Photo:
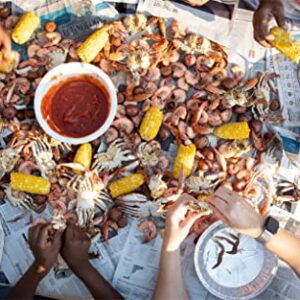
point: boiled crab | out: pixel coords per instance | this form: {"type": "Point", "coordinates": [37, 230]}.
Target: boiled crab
{"type": "Point", "coordinates": [116, 154]}
{"type": "Point", "coordinates": [58, 219]}
{"type": "Point", "coordinates": [90, 193]}
{"type": "Point", "coordinates": [204, 184]}
{"type": "Point", "coordinates": [8, 160]}
{"type": "Point", "coordinates": [149, 153]}
{"type": "Point", "coordinates": [157, 186]}
{"type": "Point", "coordinates": [43, 156]}
{"type": "Point", "coordinates": [288, 191]}
{"type": "Point", "coordinates": [20, 199]}
{"type": "Point", "coordinates": [235, 148]}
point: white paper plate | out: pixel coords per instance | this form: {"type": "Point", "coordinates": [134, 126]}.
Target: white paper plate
{"type": "Point", "coordinates": [241, 276]}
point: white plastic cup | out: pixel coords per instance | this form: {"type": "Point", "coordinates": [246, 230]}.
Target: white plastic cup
{"type": "Point", "coordinates": [61, 72]}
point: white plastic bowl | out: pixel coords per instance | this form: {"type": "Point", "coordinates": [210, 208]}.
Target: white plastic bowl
{"type": "Point", "coordinates": [64, 71]}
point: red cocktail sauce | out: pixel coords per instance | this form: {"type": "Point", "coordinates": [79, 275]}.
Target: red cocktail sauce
{"type": "Point", "coordinates": [77, 106]}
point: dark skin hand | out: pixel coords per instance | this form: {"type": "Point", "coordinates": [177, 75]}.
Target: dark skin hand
{"type": "Point", "coordinates": [267, 10]}
{"type": "Point", "coordinates": [45, 244]}
{"type": "Point", "coordinates": [75, 253]}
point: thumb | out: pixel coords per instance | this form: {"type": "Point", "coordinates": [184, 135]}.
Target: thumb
{"type": "Point", "coordinates": [190, 219]}
{"type": "Point", "coordinates": [58, 236]}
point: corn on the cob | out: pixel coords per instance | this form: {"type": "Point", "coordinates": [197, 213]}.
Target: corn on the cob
{"type": "Point", "coordinates": [29, 183]}
{"type": "Point", "coordinates": [83, 156]}
{"type": "Point", "coordinates": [93, 45]}
{"type": "Point", "coordinates": [233, 131]}
{"type": "Point", "coordinates": [6, 66]}
{"type": "Point", "coordinates": [151, 123]}
{"type": "Point", "coordinates": [24, 29]}
{"type": "Point", "coordinates": [285, 44]}
{"type": "Point", "coordinates": [184, 160]}
{"type": "Point", "coordinates": [126, 185]}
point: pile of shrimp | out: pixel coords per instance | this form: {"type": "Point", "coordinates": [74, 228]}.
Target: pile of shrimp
{"type": "Point", "coordinates": [186, 75]}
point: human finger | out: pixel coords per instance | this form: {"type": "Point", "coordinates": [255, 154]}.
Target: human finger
{"type": "Point", "coordinates": [43, 237]}
{"type": "Point", "coordinates": [261, 27]}
{"type": "Point", "coordinates": [33, 233]}
{"type": "Point", "coordinates": [58, 237]}
{"type": "Point", "coordinates": [180, 208]}
{"type": "Point", "coordinates": [279, 16]}
{"type": "Point", "coordinates": [218, 214]}
{"type": "Point", "coordinates": [69, 232]}
{"type": "Point", "coordinates": [190, 219]}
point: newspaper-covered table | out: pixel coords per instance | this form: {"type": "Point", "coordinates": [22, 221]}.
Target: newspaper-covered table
{"type": "Point", "coordinates": [125, 262]}
{"type": "Point", "coordinates": [60, 282]}
{"type": "Point", "coordinates": [136, 274]}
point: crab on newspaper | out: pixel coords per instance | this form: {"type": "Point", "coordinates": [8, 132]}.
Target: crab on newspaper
{"type": "Point", "coordinates": [173, 85]}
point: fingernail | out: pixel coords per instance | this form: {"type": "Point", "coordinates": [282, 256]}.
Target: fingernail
{"type": "Point", "coordinates": [270, 38]}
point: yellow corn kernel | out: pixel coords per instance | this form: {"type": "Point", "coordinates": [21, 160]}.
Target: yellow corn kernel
{"type": "Point", "coordinates": [126, 185]}
{"type": "Point", "coordinates": [285, 44]}
{"type": "Point", "coordinates": [203, 197]}
{"type": "Point", "coordinates": [233, 131]}
{"type": "Point", "coordinates": [29, 183]}
{"type": "Point", "coordinates": [151, 123]}
{"type": "Point", "coordinates": [6, 66]}
{"type": "Point", "coordinates": [184, 160]}
{"type": "Point", "coordinates": [83, 156]}
{"type": "Point", "coordinates": [24, 29]}
{"type": "Point", "coordinates": [93, 45]}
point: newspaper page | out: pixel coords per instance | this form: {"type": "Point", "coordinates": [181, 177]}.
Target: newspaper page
{"type": "Point", "coordinates": [136, 275]}
{"type": "Point", "coordinates": [77, 18]}
{"type": "Point", "coordinates": [124, 6]}
{"type": "Point", "coordinates": [288, 87]}
{"type": "Point", "coordinates": [201, 19]}
{"type": "Point", "coordinates": [240, 38]}
{"type": "Point", "coordinates": [60, 282]}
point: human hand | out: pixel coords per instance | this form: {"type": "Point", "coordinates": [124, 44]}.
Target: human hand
{"type": "Point", "coordinates": [75, 247]}
{"type": "Point", "coordinates": [45, 244]}
{"type": "Point", "coordinates": [196, 2]}
{"type": "Point", "coordinates": [178, 223]}
{"type": "Point", "coordinates": [237, 213]}
{"type": "Point", "coordinates": [267, 10]}
{"type": "Point", "coordinates": [5, 42]}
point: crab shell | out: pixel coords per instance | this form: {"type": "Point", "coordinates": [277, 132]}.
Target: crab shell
{"type": "Point", "coordinates": [43, 155]}
{"type": "Point", "coordinates": [86, 203]}
{"type": "Point", "coordinates": [113, 158]}
{"type": "Point", "coordinates": [157, 186]}
{"type": "Point", "coordinates": [19, 199]}
{"type": "Point", "coordinates": [149, 153]}
{"type": "Point", "coordinates": [8, 159]}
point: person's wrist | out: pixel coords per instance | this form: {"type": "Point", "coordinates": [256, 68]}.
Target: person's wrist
{"type": "Point", "coordinates": [77, 264]}
{"type": "Point", "coordinates": [259, 228]}
{"type": "Point", "coordinates": [39, 270]}
{"type": "Point", "coordinates": [169, 245]}
{"type": "Point", "coordinates": [81, 270]}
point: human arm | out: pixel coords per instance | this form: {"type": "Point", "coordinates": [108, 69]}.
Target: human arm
{"type": "Point", "coordinates": [238, 214]}
{"type": "Point", "coordinates": [267, 10]}
{"type": "Point", "coordinates": [75, 253]}
{"type": "Point", "coordinates": [45, 244]}
{"type": "Point", "coordinates": [170, 283]}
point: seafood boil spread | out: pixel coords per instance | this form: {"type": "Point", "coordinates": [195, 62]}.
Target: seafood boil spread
{"type": "Point", "coordinates": [174, 89]}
